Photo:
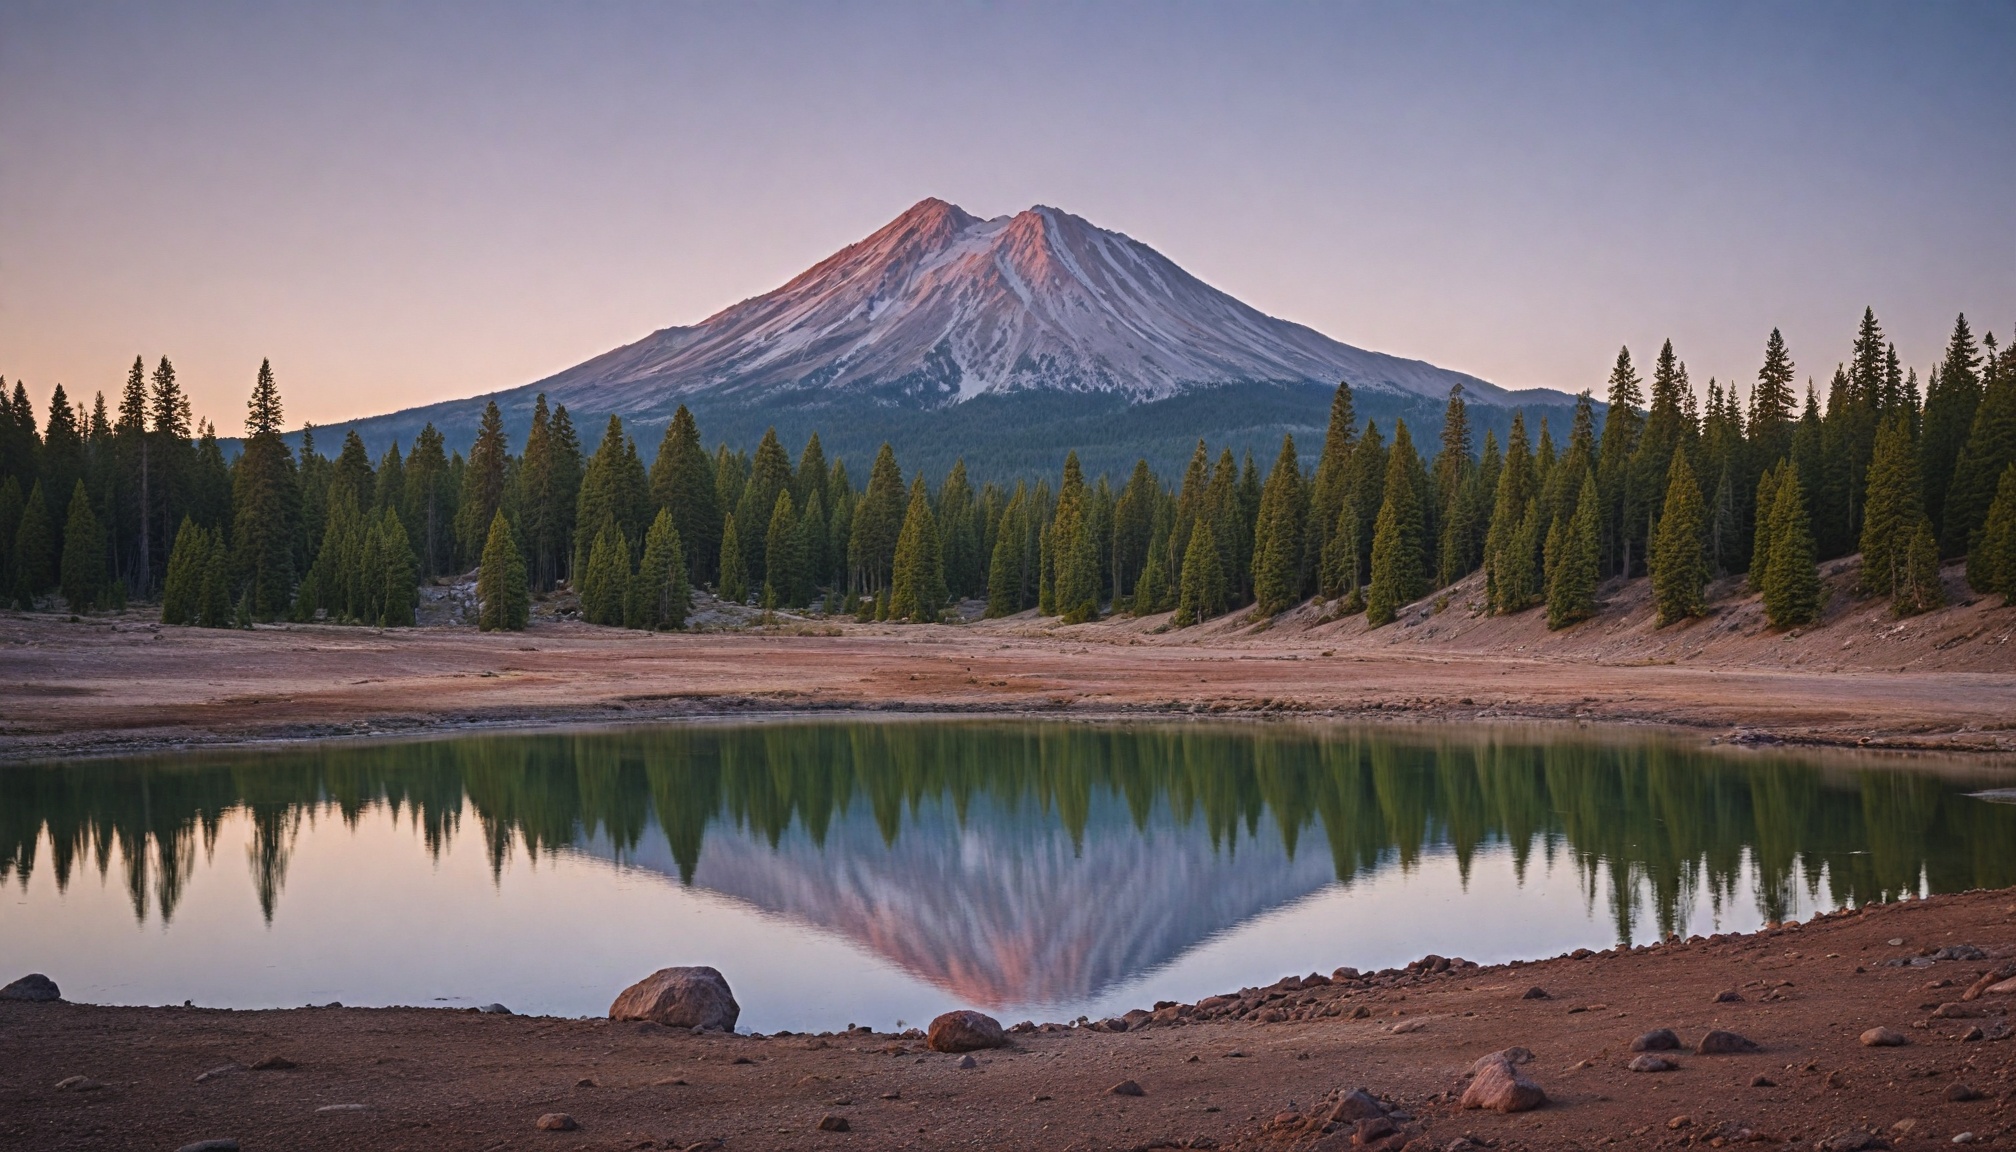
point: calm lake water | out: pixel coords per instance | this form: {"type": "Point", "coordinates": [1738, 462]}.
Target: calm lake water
{"type": "Point", "coordinates": [882, 872]}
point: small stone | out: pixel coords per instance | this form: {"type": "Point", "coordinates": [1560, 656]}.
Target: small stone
{"type": "Point", "coordinates": [1904, 1127]}
{"type": "Point", "coordinates": [585, 1082]}
{"type": "Point", "coordinates": [1355, 1105]}
{"type": "Point", "coordinates": [1972, 1034]}
{"type": "Point", "coordinates": [1884, 1038]}
{"type": "Point", "coordinates": [695, 997]}
{"type": "Point", "coordinates": [1650, 1063]}
{"type": "Point", "coordinates": [1728, 996]}
{"type": "Point", "coordinates": [1657, 1040]}
{"type": "Point", "coordinates": [78, 1084]}
{"type": "Point", "coordinates": [1498, 1085]}
{"type": "Point", "coordinates": [1895, 942]}
{"type": "Point", "coordinates": [495, 1010]}
{"type": "Point", "coordinates": [1361, 1012]}
{"type": "Point", "coordinates": [1372, 1129]}
{"type": "Point", "coordinates": [1125, 1088]}
{"type": "Point", "coordinates": [1405, 1026]}
{"type": "Point", "coordinates": [225, 1145]}
{"type": "Point", "coordinates": [1955, 1011]}
{"type": "Point", "coordinates": [669, 1082]}
{"type": "Point", "coordinates": [1535, 993]}
{"type": "Point", "coordinates": [556, 1122]}
{"type": "Point", "coordinates": [892, 1095]}
{"type": "Point", "coordinates": [1679, 1122]}
{"type": "Point", "coordinates": [1958, 1093]}
{"type": "Point", "coordinates": [1850, 1140]}
{"type": "Point", "coordinates": [219, 1072]}
{"type": "Point", "coordinates": [965, 1031]}
{"type": "Point", "coordinates": [832, 1123]}
{"type": "Point", "coordinates": [967, 1061]}
{"type": "Point", "coordinates": [1762, 1081]}
{"type": "Point", "coordinates": [33, 986]}
{"type": "Point", "coordinates": [1963, 1138]}
{"type": "Point", "coordinates": [272, 1064]}
{"type": "Point", "coordinates": [341, 1108]}
{"type": "Point", "coordinates": [1721, 1043]}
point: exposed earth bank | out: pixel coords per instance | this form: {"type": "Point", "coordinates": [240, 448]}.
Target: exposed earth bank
{"type": "Point", "coordinates": [1945, 680]}
{"type": "Point", "coordinates": [1255, 1069]}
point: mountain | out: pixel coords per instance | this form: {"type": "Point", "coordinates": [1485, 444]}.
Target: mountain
{"type": "Point", "coordinates": [1011, 338]}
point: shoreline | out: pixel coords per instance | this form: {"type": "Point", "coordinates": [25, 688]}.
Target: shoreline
{"type": "Point", "coordinates": [1253, 1068]}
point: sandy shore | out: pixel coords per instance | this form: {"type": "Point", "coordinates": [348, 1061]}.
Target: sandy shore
{"type": "Point", "coordinates": [110, 685]}
{"type": "Point", "coordinates": [440, 1079]}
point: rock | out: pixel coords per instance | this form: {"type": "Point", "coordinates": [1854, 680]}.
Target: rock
{"type": "Point", "coordinates": [225, 1145]}
{"type": "Point", "coordinates": [341, 1108]}
{"type": "Point", "coordinates": [1973, 1034]}
{"type": "Point", "coordinates": [1762, 1081]}
{"type": "Point", "coordinates": [1851, 1140]}
{"type": "Point", "coordinates": [494, 1010]}
{"type": "Point", "coordinates": [33, 986]}
{"type": "Point", "coordinates": [1958, 1093]}
{"type": "Point", "coordinates": [556, 1122]}
{"type": "Point", "coordinates": [1371, 1129]}
{"type": "Point", "coordinates": [1535, 993]}
{"type": "Point", "coordinates": [2001, 988]}
{"type": "Point", "coordinates": [1720, 1043]}
{"type": "Point", "coordinates": [696, 997]}
{"type": "Point", "coordinates": [1959, 952]}
{"type": "Point", "coordinates": [832, 1123]}
{"type": "Point", "coordinates": [1361, 1012]}
{"type": "Point", "coordinates": [967, 1061]}
{"type": "Point", "coordinates": [1405, 1026]}
{"type": "Point", "coordinates": [1514, 1056]}
{"type": "Point", "coordinates": [1125, 1088]}
{"type": "Point", "coordinates": [965, 1031]}
{"type": "Point", "coordinates": [1355, 1105]}
{"type": "Point", "coordinates": [1728, 996]}
{"type": "Point", "coordinates": [219, 1072]}
{"type": "Point", "coordinates": [1963, 1138]}
{"type": "Point", "coordinates": [272, 1064]}
{"type": "Point", "coordinates": [1499, 1086]}
{"type": "Point", "coordinates": [1650, 1063]}
{"type": "Point", "coordinates": [78, 1084]}
{"type": "Point", "coordinates": [1657, 1040]}
{"type": "Point", "coordinates": [1884, 1038]}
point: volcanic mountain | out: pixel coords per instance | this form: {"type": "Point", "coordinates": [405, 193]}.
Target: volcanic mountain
{"type": "Point", "coordinates": [1016, 336]}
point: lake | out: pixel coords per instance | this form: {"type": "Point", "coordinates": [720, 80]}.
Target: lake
{"type": "Point", "coordinates": [880, 872]}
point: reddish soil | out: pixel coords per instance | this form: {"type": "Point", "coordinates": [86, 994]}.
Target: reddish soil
{"type": "Point", "coordinates": [439, 1079]}
{"type": "Point", "coordinates": [1945, 680]}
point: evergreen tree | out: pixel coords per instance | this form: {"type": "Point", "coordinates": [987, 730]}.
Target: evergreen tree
{"type": "Point", "coordinates": [430, 504]}
{"type": "Point", "coordinates": [1574, 560]}
{"type": "Point", "coordinates": [769, 474]}
{"type": "Point", "coordinates": [1891, 509]}
{"type": "Point", "coordinates": [1277, 537]}
{"type": "Point", "coordinates": [1790, 581]}
{"type": "Point", "coordinates": [213, 593]}
{"type": "Point", "coordinates": [1009, 570]}
{"type": "Point", "coordinates": [1767, 500]}
{"type": "Point", "coordinates": [1990, 448]}
{"type": "Point", "coordinates": [538, 518]}
{"type": "Point", "coordinates": [186, 561]}
{"type": "Point", "coordinates": [1204, 592]}
{"type": "Point", "coordinates": [1918, 587]}
{"type": "Point", "coordinates": [1991, 565]}
{"type": "Point", "coordinates": [83, 577]}
{"type": "Point", "coordinates": [266, 505]}
{"type": "Point", "coordinates": [34, 550]}
{"type": "Point", "coordinates": [1679, 559]}
{"type": "Point", "coordinates": [660, 596]}
{"type": "Point", "coordinates": [1508, 569]}
{"type": "Point", "coordinates": [12, 504]}
{"type": "Point", "coordinates": [502, 590]}
{"type": "Point", "coordinates": [1950, 403]}
{"type": "Point", "coordinates": [1773, 404]}
{"type": "Point", "coordinates": [1399, 561]}
{"type": "Point", "coordinates": [783, 557]}
{"type": "Point", "coordinates": [1190, 504]}
{"type": "Point", "coordinates": [734, 586]}
{"type": "Point", "coordinates": [1133, 529]}
{"type": "Point", "coordinates": [1622, 422]}
{"type": "Point", "coordinates": [878, 520]}
{"type": "Point", "coordinates": [482, 483]}
{"type": "Point", "coordinates": [959, 530]}
{"type": "Point", "coordinates": [614, 490]}
{"type": "Point", "coordinates": [605, 579]}
{"type": "Point", "coordinates": [1153, 592]}
{"type": "Point", "coordinates": [917, 592]}
{"type": "Point", "coordinates": [812, 475]}
{"type": "Point", "coordinates": [813, 564]}
{"type": "Point", "coordinates": [400, 597]}
{"type": "Point", "coordinates": [353, 471]}
{"type": "Point", "coordinates": [1342, 561]}
{"type": "Point", "coordinates": [1074, 556]}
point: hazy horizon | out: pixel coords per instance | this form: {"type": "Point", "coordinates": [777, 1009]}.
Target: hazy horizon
{"type": "Point", "coordinates": [404, 206]}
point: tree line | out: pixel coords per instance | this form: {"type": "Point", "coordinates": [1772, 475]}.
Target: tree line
{"type": "Point", "coordinates": [1658, 483]}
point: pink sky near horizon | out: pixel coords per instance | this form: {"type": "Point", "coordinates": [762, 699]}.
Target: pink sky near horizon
{"type": "Point", "coordinates": [402, 205]}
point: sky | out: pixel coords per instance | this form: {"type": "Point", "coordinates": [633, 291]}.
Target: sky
{"type": "Point", "coordinates": [401, 203]}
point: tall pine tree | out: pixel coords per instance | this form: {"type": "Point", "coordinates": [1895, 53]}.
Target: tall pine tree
{"type": "Point", "coordinates": [1679, 559]}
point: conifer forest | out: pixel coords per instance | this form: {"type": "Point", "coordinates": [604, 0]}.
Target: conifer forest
{"type": "Point", "coordinates": [110, 503]}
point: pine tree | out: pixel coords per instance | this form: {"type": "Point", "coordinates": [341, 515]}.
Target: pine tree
{"type": "Point", "coordinates": [682, 480]}
{"type": "Point", "coordinates": [1074, 554]}
{"type": "Point", "coordinates": [605, 579]}
{"type": "Point", "coordinates": [502, 592]}
{"type": "Point", "coordinates": [1204, 592]}
{"type": "Point", "coordinates": [186, 561]}
{"type": "Point", "coordinates": [878, 520]}
{"type": "Point", "coordinates": [1574, 562]}
{"type": "Point", "coordinates": [1009, 570]}
{"type": "Point", "coordinates": [1918, 586]}
{"type": "Point", "coordinates": [400, 597]}
{"type": "Point", "coordinates": [534, 500]}
{"type": "Point", "coordinates": [783, 556]}
{"type": "Point", "coordinates": [813, 562]}
{"type": "Point", "coordinates": [660, 595]}
{"type": "Point", "coordinates": [266, 506]}
{"type": "Point", "coordinates": [1790, 581]}
{"type": "Point", "coordinates": [1622, 422]}
{"type": "Point", "coordinates": [12, 504]}
{"type": "Point", "coordinates": [1341, 559]}
{"type": "Point", "coordinates": [917, 592]}
{"type": "Point", "coordinates": [1990, 448]}
{"type": "Point", "coordinates": [1133, 529]}
{"type": "Point", "coordinates": [83, 576]}
{"type": "Point", "coordinates": [430, 503]}
{"type": "Point", "coordinates": [1767, 499]}
{"type": "Point", "coordinates": [1991, 564]}
{"type": "Point", "coordinates": [1679, 560]}
{"type": "Point", "coordinates": [734, 586]}
{"type": "Point", "coordinates": [1950, 403]}
{"type": "Point", "coordinates": [1892, 508]}
{"type": "Point", "coordinates": [34, 550]}
{"type": "Point", "coordinates": [1399, 561]}
{"type": "Point", "coordinates": [1277, 535]}
{"type": "Point", "coordinates": [213, 593]}
{"type": "Point", "coordinates": [1508, 571]}
{"type": "Point", "coordinates": [1773, 404]}
{"type": "Point", "coordinates": [482, 483]}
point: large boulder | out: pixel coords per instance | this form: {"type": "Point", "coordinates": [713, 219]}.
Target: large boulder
{"type": "Point", "coordinates": [965, 1031]}
{"type": "Point", "coordinates": [33, 986]}
{"type": "Point", "coordinates": [696, 997]}
{"type": "Point", "coordinates": [1497, 1084]}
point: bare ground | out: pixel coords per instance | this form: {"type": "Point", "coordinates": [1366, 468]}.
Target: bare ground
{"type": "Point", "coordinates": [442, 1079]}
{"type": "Point", "coordinates": [1943, 681]}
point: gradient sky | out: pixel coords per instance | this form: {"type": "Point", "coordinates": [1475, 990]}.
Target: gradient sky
{"type": "Point", "coordinates": [403, 203]}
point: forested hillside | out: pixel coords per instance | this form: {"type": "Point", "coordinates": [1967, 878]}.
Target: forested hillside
{"type": "Point", "coordinates": [101, 505]}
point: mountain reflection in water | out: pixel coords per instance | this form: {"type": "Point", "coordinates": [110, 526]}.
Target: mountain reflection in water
{"type": "Point", "coordinates": [1042, 863]}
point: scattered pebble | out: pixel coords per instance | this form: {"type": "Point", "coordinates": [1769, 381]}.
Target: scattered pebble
{"type": "Point", "coordinates": [1958, 1093]}
{"type": "Point", "coordinates": [585, 1082]}
{"type": "Point", "coordinates": [556, 1122]}
{"type": "Point", "coordinates": [967, 1061]}
{"type": "Point", "coordinates": [1762, 1081]}
{"type": "Point", "coordinates": [1535, 993]}
{"type": "Point", "coordinates": [1650, 1063]}
{"type": "Point", "coordinates": [1125, 1088]}
{"type": "Point", "coordinates": [495, 1010]}
{"type": "Point", "coordinates": [1406, 1026]}
{"type": "Point", "coordinates": [1657, 1040]}
{"type": "Point", "coordinates": [78, 1084]}
{"type": "Point", "coordinates": [219, 1072]}
{"type": "Point", "coordinates": [272, 1064]}
{"type": "Point", "coordinates": [224, 1145]}
{"type": "Point", "coordinates": [341, 1108]}
{"type": "Point", "coordinates": [1721, 1043]}
{"type": "Point", "coordinates": [1728, 996]}
{"type": "Point", "coordinates": [1884, 1038]}
{"type": "Point", "coordinates": [832, 1123]}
